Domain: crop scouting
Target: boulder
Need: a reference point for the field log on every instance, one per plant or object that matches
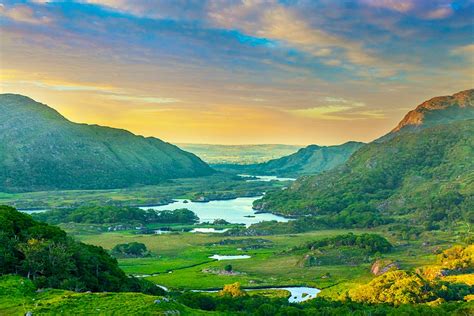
(383, 265)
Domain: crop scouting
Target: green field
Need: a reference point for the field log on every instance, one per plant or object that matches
(180, 261)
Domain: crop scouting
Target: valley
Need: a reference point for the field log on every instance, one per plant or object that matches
(237, 158)
(360, 235)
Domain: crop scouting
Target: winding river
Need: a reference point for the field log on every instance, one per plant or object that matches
(298, 294)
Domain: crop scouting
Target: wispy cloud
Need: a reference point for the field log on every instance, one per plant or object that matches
(23, 13)
(431, 10)
(274, 21)
(145, 99)
(465, 51)
(286, 66)
(396, 5)
(339, 109)
(328, 112)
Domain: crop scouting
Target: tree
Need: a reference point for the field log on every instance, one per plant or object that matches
(133, 249)
(34, 251)
(232, 290)
(457, 258)
(394, 287)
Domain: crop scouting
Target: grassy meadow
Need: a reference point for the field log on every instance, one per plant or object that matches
(180, 261)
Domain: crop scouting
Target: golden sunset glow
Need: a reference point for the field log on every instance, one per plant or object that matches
(232, 74)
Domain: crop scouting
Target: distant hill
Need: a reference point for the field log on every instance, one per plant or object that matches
(239, 154)
(424, 172)
(312, 159)
(42, 150)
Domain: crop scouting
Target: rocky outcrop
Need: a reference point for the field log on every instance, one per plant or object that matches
(382, 266)
(439, 109)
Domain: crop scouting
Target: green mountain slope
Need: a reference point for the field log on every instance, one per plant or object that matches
(41, 150)
(312, 159)
(427, 172)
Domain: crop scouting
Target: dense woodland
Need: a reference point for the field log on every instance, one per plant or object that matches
(116, 215)
(47, 256)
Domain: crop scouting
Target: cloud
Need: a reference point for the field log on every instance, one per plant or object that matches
(328, 112)
(12, 76)
(24, 14)
(465, 51)
(9, 77)
(395, 5)
(145, 99)
(268, 19)
(332, 62)
(157, 9)
(344, 101)
(340, 109)
(439, 13)
(430, 10)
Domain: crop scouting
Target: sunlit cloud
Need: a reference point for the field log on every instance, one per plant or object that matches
(338, 108)
(271, 20)
(145, 99)
(431, 10)
(339, 113)
(465, 51)
(237, 71)
(439, 13)
(396, 5)
(12, 76)
(23, 13)
(328, 112)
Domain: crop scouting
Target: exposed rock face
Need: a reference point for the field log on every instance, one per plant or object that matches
(381, 266)
(440, 109)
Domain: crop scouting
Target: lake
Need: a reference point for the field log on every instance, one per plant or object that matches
(266, 178)
(298, 294)
(234, 257)
(233, 211)
(301, 294)
(33, 211)
(209, 230)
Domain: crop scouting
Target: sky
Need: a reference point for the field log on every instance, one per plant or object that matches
(238, 72)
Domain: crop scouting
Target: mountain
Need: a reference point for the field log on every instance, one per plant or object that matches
(426, 173)
(438, 110)
(312, 159)
(42, 150)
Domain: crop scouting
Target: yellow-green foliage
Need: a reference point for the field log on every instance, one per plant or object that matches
(395, 287)
(457, 258)
(232, 290)
(461, 278)
(469, 298)
(436, 302)
(431, 272)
